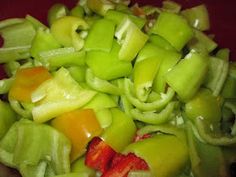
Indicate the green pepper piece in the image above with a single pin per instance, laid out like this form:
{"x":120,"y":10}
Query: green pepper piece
{"x":14,"y":53}
{"x":57,"y":11}
{"x":184,"y":78}
{"x":65,"y":30}
{"x":35,"y":22}
{"x":100,"y":36}
{"x":206,"y":160}
{"x":30,"y":135}
{"x":174,"y":28}
{"x":10,"y":21}
{"x":217,"y":74}
{"x":161,"y":42}
{"x":20,"y":34}
{"x":77,"y":72}
{"x":168,"y":59}
{"x":100,"y":6}
{"x":153,"y":117}
{"x":157,"y":150}
{"x":58,"y":95}
{"x":77,"y":11}
{"x":106,"y":65}
{"x":204,"y":105}
{"x":60,"y":57}
{"x":144,"y":73}
{"x":131,"y":38}
{"x":79,"y":167}
{"x":229,"y":87}
{"x":100,"y":101}
{"x":171,"y":6}
{"x":198,"y":17}
{"x":100,"y":84}
{"x":155,"y":105}
{"x":43,"y":41}
{"x":121,"y":131}
{"x":7,"y":118}
{"x":140,"y":174}
{"x":5,"y":85}
{"x":212,"y":137}
{"x":202,"y":42}
{"x":17,"y":40}
{"x":223,"y":54}
{"x":117,"y":17}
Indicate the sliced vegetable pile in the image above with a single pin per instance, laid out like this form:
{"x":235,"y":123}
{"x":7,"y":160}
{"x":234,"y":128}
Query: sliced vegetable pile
{"x":117,"y":90}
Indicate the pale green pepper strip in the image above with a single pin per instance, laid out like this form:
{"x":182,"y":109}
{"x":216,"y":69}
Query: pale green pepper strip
{"x":125,"y":105}
{"x":8,"y":117}
{"x":79,"y":167}
{"x":152,"y":117}
{"x":100,"y":36}
{"x":107,"y":65}
{"x":14,"y":53}
{"x":144,"y":73}
{"x":77,"y":11}
{"x":5,"y":85}
{"x":65,"y":31}
{"x":100,"y":84}
{"x":57,"y":10}
{"x":211,"y":138}
{"x":155,"y":105}
{"x":131,"y":39}
{"x":10,"y":21}
{"x":138,"y":173}
{"x":43,"y":41}
{"x":35,"y":22}
{"x":232,"y":107}
{"x":202,"y":43}
{"x":184,"y":78}
{"x":17,"y":107}
{"x":118,"y":16}
{"x":121,"y":131}
{"x":161,"y":42}
{"x":217,"y":74}
{"x":58,"y":95}
{"x":164,"y":128}
{"x":16,"y":35}
{"x":11,"y":67}
{"x":100,"y":6}
{"x":157,"y":150}
{"x":174,"y":28}
{"x":77,"y":72}
{"x":198,"y":17}
{"x":223,"y":54}
{"x":66,"y":56}
{"x":171,"y":6}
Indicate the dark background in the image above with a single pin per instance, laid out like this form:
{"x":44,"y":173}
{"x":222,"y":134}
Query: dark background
{"x":222,"y":15}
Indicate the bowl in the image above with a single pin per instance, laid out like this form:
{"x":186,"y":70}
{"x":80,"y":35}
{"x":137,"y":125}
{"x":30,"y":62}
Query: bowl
{"x":222,"y":18}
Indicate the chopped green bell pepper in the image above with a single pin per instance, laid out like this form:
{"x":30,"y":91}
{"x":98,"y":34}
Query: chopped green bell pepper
{"x":107,"y":65}
{"x":174,"y":28}
{"x":121,"y":131}
{"x":58,"y":95}
{"x":184,"y":79}
{"x":100,"y":36}
{"x":65,"y":30}
{"x":131,"y":39}
{"x":166,"y":155}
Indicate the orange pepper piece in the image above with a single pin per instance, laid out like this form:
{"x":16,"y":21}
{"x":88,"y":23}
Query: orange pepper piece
{"x":80,"y":126}
{"x":26,"y":81}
